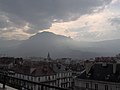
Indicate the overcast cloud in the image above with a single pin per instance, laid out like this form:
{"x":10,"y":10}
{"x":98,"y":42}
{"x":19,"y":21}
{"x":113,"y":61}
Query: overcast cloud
{"x":23,"y":18}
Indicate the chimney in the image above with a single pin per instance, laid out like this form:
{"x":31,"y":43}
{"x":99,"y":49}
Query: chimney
{"x":114,"y":68}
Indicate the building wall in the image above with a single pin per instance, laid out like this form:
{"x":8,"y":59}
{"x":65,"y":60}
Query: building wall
{"x":91,"y":84}
{"x":60,"y":79}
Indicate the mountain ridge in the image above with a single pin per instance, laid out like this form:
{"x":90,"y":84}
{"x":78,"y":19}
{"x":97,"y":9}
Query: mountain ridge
{"x":61,"y":46}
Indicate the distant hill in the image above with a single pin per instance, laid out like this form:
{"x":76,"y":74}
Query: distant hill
{"x":60,"y":46}
{"x":104,"y":48}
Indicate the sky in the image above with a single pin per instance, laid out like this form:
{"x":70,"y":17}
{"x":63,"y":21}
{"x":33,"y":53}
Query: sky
{"x":83,"y":20}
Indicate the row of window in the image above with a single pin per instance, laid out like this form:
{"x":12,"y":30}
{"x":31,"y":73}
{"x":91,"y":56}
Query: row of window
{"x":63,"y":75}
{"x":44,"y":78}
{"x":96,"y":86}
{"x":53,"y":79}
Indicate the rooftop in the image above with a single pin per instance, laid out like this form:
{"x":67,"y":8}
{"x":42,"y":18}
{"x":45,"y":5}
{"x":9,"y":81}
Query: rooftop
{"x":102,"y":72}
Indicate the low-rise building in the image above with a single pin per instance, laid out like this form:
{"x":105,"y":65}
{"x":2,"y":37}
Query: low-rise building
{"x":99,"y":75}
{"x":6,"y":63}
{"x":49,"y":73}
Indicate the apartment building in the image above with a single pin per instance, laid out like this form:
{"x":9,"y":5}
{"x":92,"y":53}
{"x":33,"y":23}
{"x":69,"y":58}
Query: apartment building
{"x":102,"y":74}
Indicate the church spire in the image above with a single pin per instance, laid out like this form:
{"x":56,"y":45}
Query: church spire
{"x":48,"y":56}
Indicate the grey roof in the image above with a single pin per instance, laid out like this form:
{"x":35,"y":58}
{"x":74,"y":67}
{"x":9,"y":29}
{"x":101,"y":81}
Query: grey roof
{"x":102,"y":73}
{"x":58,"y":68}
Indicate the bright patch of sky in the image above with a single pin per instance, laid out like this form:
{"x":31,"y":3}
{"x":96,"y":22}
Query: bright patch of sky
{"x":103,"y":25}
{"x":86,"y":20}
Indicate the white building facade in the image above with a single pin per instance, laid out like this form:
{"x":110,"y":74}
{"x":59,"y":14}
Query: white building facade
{"x":63,"y":80}
{"x":83,"y":84}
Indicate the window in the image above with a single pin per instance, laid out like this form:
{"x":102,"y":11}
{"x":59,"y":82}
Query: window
{"x":87,"y":85}
{"x":96,"y":86}
{"x":32,"y":78}
{"x":23,"y":76}
{"x":49,"y":78}
{"x":28,"y":77}
{"x":45,"y":78}
{"x":39,"y":79}
{"x":106,"y":87}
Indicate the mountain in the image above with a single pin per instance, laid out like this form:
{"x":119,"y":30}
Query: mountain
{"x":59,"y":46}
{"x":103,"y":48}
{"x":109,"y":46}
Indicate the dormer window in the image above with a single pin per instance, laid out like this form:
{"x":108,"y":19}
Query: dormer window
{"x":104,"y":64}
{"x":88,"y":75}
{"x":107,"y":77}
{"x":87,"y":85}
{"x":106,"y":87}
{"x":96,"y":86}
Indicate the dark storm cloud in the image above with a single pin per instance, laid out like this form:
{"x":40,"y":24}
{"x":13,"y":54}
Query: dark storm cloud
{"x":41,"y":13}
